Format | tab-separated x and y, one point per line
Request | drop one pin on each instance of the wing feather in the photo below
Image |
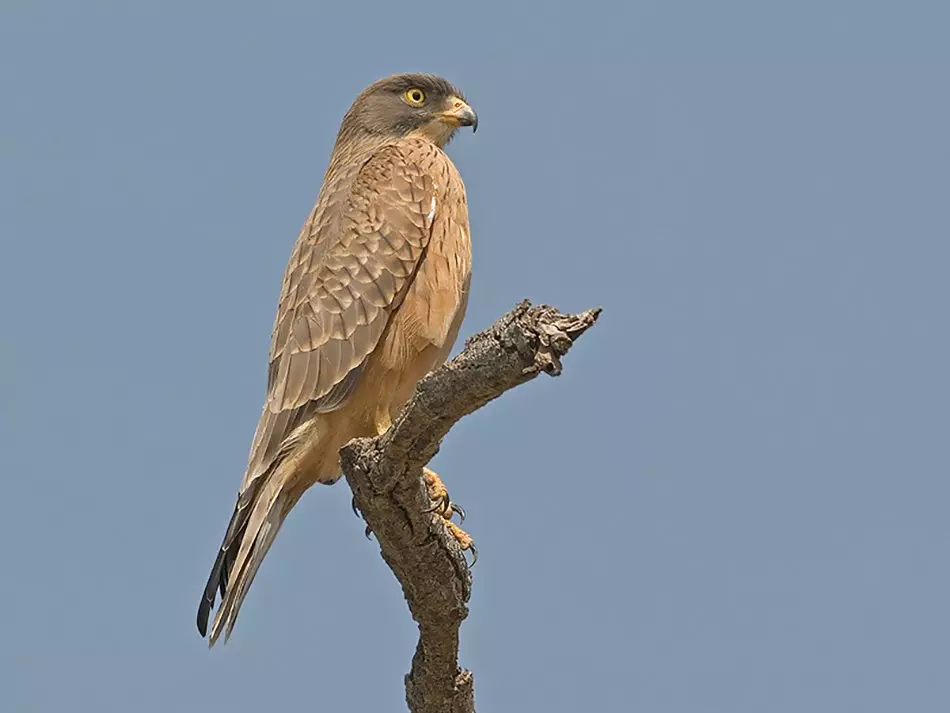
350	267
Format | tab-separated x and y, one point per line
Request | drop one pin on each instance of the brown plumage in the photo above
372	299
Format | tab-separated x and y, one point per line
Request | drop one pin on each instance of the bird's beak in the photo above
460	114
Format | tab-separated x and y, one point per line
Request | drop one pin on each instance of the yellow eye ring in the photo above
415	96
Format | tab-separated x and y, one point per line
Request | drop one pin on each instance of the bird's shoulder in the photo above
409	159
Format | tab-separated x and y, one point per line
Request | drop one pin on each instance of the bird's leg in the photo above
446	508
383	420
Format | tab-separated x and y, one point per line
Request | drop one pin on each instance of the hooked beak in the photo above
460	114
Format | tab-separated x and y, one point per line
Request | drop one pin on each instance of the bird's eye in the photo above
415	96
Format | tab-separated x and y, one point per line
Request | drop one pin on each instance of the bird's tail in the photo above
249	536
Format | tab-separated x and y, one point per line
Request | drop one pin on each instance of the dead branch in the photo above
385	475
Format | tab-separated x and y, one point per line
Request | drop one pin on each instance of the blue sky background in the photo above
735	499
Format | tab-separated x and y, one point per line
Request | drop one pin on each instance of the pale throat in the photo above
438	132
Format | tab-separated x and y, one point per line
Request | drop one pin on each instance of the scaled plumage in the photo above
372	300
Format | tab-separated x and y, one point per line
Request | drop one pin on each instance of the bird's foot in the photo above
439	495
443	506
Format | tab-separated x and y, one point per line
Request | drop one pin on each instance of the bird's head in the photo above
409	104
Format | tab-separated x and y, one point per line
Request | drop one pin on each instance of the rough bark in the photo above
385	474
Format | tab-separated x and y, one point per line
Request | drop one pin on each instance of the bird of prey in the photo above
371	301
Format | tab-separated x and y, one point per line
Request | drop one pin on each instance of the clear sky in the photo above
734	500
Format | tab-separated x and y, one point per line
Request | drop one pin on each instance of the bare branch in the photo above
385	474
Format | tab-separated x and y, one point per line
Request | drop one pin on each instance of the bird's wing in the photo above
356	256
345	278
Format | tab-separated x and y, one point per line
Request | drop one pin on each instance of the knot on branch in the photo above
554	334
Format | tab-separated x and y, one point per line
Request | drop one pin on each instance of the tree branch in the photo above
385	475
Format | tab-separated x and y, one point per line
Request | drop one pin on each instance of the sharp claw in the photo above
356	510
474	555
368	533
460	510
442	505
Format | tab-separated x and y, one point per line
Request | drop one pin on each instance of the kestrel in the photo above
372	300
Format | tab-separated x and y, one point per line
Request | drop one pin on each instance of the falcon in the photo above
371	301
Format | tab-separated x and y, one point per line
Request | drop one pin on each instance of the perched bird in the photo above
371	301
